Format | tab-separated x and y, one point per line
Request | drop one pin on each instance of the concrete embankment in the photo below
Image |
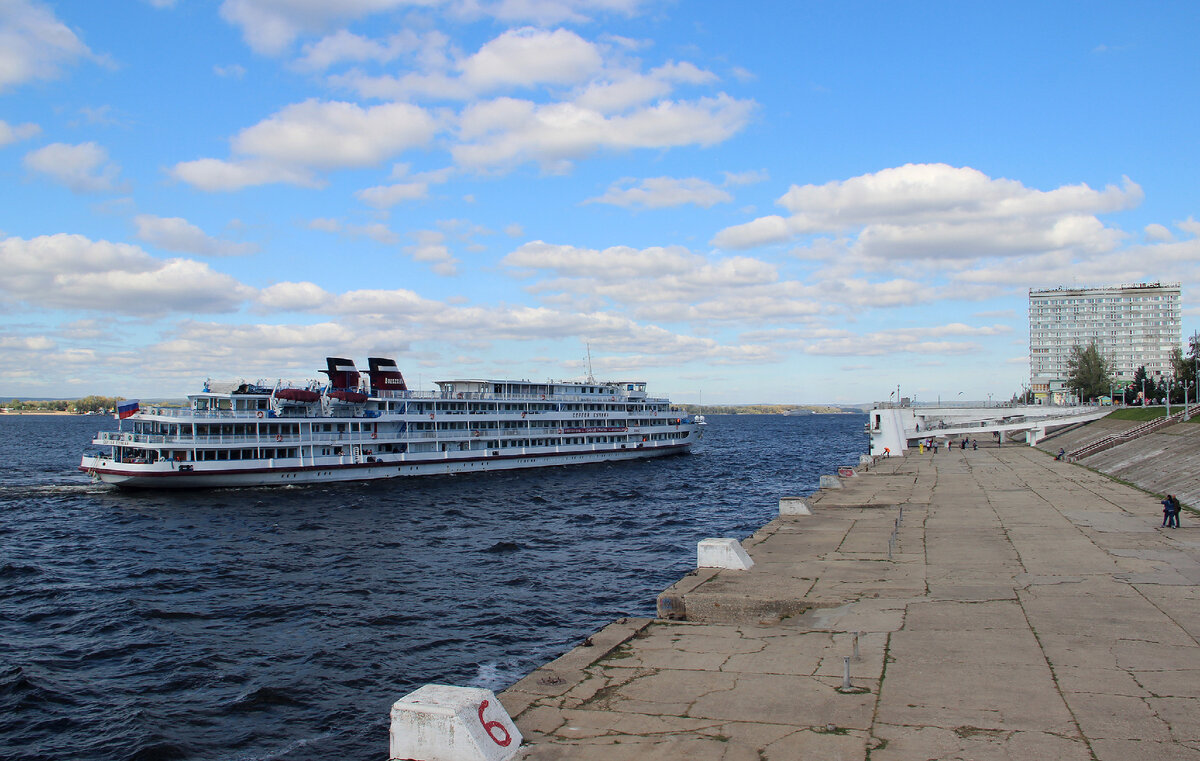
1162	462
1027	608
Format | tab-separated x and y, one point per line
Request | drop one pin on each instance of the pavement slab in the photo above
1005	606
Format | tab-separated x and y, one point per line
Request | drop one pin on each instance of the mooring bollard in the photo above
722	553
846	675
794	506
830	482
442	723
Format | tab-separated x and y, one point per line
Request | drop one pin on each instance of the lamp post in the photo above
1167	384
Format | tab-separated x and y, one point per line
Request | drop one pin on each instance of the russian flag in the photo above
125	409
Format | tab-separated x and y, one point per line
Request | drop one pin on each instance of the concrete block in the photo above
847	472
722	553
831	482
866	459
442	723
794	506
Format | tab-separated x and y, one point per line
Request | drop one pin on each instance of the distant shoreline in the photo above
43	412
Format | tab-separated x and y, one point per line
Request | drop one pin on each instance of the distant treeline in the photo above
78	406
763	409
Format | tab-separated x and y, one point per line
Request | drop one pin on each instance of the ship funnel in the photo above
343	375
385	375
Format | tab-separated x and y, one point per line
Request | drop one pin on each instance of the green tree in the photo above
1088	372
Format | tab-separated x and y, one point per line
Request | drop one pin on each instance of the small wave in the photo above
287	750
264	698
175	615
395	619
494	675
159	751
13	571
503	547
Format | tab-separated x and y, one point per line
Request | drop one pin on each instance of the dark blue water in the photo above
283	623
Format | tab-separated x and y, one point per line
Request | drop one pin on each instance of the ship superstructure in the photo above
361	427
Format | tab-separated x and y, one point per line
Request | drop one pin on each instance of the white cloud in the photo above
923	341
177	234
295	297
72	272
376	231
34	44
344	45
504	132
84	168
271	26
386	196
312	136
749	177
1189	225
231	71
1158	233
935	211
415	188
431	249
529	57
661	192
11	133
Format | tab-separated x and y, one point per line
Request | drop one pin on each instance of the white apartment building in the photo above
1132	325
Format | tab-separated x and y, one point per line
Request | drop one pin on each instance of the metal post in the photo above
857	654
846	673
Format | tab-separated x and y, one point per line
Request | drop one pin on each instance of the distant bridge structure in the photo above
895	428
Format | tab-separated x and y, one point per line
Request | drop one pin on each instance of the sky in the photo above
774	202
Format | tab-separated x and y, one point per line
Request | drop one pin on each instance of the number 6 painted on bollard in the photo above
489	726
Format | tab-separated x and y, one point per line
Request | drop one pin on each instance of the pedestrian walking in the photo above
1175	508
1168	509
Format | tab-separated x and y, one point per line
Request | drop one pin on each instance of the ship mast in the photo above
590	378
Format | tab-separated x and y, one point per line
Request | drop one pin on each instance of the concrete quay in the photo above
1030	609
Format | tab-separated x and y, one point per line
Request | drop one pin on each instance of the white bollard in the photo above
794	506
722	553
442	723
831	482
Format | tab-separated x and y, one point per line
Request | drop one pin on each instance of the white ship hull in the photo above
252	435
167	476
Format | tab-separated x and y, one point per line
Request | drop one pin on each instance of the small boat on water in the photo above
354	428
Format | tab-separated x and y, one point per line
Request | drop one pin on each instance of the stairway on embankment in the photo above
1166	461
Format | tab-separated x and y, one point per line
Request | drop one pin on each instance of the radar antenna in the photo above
590	378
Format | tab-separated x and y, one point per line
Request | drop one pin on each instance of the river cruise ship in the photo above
353	428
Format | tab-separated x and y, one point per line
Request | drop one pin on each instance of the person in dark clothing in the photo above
1175	508
1168	509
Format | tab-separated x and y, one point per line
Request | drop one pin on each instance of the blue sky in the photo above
780	202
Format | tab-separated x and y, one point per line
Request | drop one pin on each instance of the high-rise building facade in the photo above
1132	325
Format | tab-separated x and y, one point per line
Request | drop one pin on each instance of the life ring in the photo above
374	435
560	430
612	398
431	416
543	397
279	437
260	413
474	433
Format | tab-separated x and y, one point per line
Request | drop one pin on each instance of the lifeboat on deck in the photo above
297	395
347	397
